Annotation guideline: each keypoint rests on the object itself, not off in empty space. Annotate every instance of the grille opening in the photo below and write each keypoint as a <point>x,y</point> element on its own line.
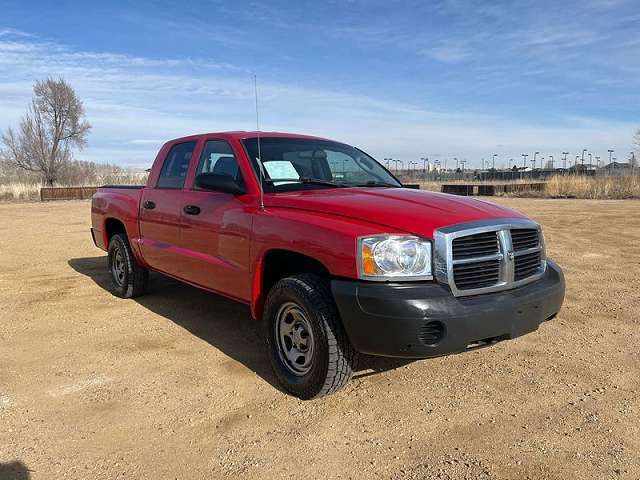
<point>476,275</point>
<point>477,245</point>
<point>524,238</point>
<point>527,265</point>
<point>432,333</point>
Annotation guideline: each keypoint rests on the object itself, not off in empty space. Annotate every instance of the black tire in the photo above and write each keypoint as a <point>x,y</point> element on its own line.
<point>128,278</point>
<point>333,358</point>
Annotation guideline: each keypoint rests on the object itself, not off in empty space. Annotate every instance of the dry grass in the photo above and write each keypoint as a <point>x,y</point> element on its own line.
<point>570,186</point>
<point>17,191</point>
<point>592,187</point>
<point>25,191</point>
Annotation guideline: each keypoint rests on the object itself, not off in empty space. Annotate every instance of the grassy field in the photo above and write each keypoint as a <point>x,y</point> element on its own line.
<point>570,186</point>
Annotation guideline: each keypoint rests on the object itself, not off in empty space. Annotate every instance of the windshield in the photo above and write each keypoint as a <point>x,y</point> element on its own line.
<point>298,163</point>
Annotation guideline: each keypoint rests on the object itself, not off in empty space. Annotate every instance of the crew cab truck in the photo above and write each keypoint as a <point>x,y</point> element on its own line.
<point>330,252</point>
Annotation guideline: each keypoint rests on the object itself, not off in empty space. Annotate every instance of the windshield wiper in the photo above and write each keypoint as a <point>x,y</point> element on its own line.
<point>372,183</point>
<point>306,180</point>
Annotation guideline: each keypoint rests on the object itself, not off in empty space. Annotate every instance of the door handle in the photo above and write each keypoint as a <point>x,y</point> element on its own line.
<point>149,205</point>
<point>191,209</point>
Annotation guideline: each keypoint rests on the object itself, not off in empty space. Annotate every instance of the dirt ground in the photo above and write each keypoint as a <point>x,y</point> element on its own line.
<point>176,385</point>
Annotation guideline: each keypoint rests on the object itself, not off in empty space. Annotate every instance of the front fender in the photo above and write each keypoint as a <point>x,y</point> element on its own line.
<point>328,239</point>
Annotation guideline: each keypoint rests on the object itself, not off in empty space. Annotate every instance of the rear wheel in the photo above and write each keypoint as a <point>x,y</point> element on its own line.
<point>128,278</point>
<point>308,347</point>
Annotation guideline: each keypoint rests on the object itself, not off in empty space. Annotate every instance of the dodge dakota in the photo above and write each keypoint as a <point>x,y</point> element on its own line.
<point>329,251</point>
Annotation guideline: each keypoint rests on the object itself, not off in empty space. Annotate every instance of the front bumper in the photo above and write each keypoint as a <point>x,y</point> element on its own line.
<point>419,320</point>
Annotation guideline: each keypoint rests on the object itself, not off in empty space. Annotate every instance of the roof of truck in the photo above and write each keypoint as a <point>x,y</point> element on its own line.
<point>239,135</point>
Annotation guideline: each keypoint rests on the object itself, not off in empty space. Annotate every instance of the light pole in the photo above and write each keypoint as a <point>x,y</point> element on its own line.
<point>583,152</point>
<point>590,161</point>
<point>533,166</point>
<point>524,162</point>
<point>535,155</point>
<point>564,160</point>
<point>493,166</point>
<point>425,163</point>
<point>551,161</point>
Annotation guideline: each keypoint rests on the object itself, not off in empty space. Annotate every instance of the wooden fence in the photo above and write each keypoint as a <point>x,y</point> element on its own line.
<point>470,189</point>
<point>66,193</point>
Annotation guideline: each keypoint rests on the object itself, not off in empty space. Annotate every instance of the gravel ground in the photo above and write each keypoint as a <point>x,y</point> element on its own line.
<point>176,384</point>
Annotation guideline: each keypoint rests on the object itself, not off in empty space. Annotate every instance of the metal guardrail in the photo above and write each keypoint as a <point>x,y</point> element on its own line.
<point>66,193</point>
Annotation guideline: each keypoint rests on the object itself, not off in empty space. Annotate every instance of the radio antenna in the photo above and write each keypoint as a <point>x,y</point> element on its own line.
<point>260,166</point>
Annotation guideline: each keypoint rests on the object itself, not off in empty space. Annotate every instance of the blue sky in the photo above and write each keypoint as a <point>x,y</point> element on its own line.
<point>405,79</point>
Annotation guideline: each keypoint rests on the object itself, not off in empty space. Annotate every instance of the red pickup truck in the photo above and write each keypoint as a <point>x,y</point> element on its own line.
<point>332,254</point>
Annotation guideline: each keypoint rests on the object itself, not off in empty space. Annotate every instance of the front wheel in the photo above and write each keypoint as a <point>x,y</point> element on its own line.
<point>128,278</point>
<point>308,347</point>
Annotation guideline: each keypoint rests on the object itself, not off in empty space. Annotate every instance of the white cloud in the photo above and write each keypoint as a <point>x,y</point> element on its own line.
<point>448,54</point>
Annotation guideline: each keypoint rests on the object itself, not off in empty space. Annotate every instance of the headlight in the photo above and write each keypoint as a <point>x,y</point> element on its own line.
<point>394,257</point>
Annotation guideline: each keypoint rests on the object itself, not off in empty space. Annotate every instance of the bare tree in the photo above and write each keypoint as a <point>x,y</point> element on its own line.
<point>52,127</point>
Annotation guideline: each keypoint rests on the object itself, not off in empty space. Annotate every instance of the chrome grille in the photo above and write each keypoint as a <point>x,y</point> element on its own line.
<point>488,256</point>
<point>478,245</point>
<point>524,238</point>
<point>477,274</point>
<point>526,265</point>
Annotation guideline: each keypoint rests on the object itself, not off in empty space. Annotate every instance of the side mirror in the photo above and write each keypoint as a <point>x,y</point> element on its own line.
<point>220,183</point>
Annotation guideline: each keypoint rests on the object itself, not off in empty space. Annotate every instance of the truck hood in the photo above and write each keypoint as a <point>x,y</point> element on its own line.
<point>397,209</point>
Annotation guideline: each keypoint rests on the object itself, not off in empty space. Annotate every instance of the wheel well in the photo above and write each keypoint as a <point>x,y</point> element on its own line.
<point>279,264</point>
<point>113,226</point>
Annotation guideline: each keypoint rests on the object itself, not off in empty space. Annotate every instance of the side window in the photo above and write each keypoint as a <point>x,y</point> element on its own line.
<point>217,157</point>
<point>174,169</point>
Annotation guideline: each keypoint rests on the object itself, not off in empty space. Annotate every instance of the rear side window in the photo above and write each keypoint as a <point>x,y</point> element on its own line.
<point>174,169</point>
<point>217,157</point>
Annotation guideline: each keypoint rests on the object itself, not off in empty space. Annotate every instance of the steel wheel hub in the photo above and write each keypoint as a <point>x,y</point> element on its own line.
<point>118,266</point>
<point>294,339</point>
